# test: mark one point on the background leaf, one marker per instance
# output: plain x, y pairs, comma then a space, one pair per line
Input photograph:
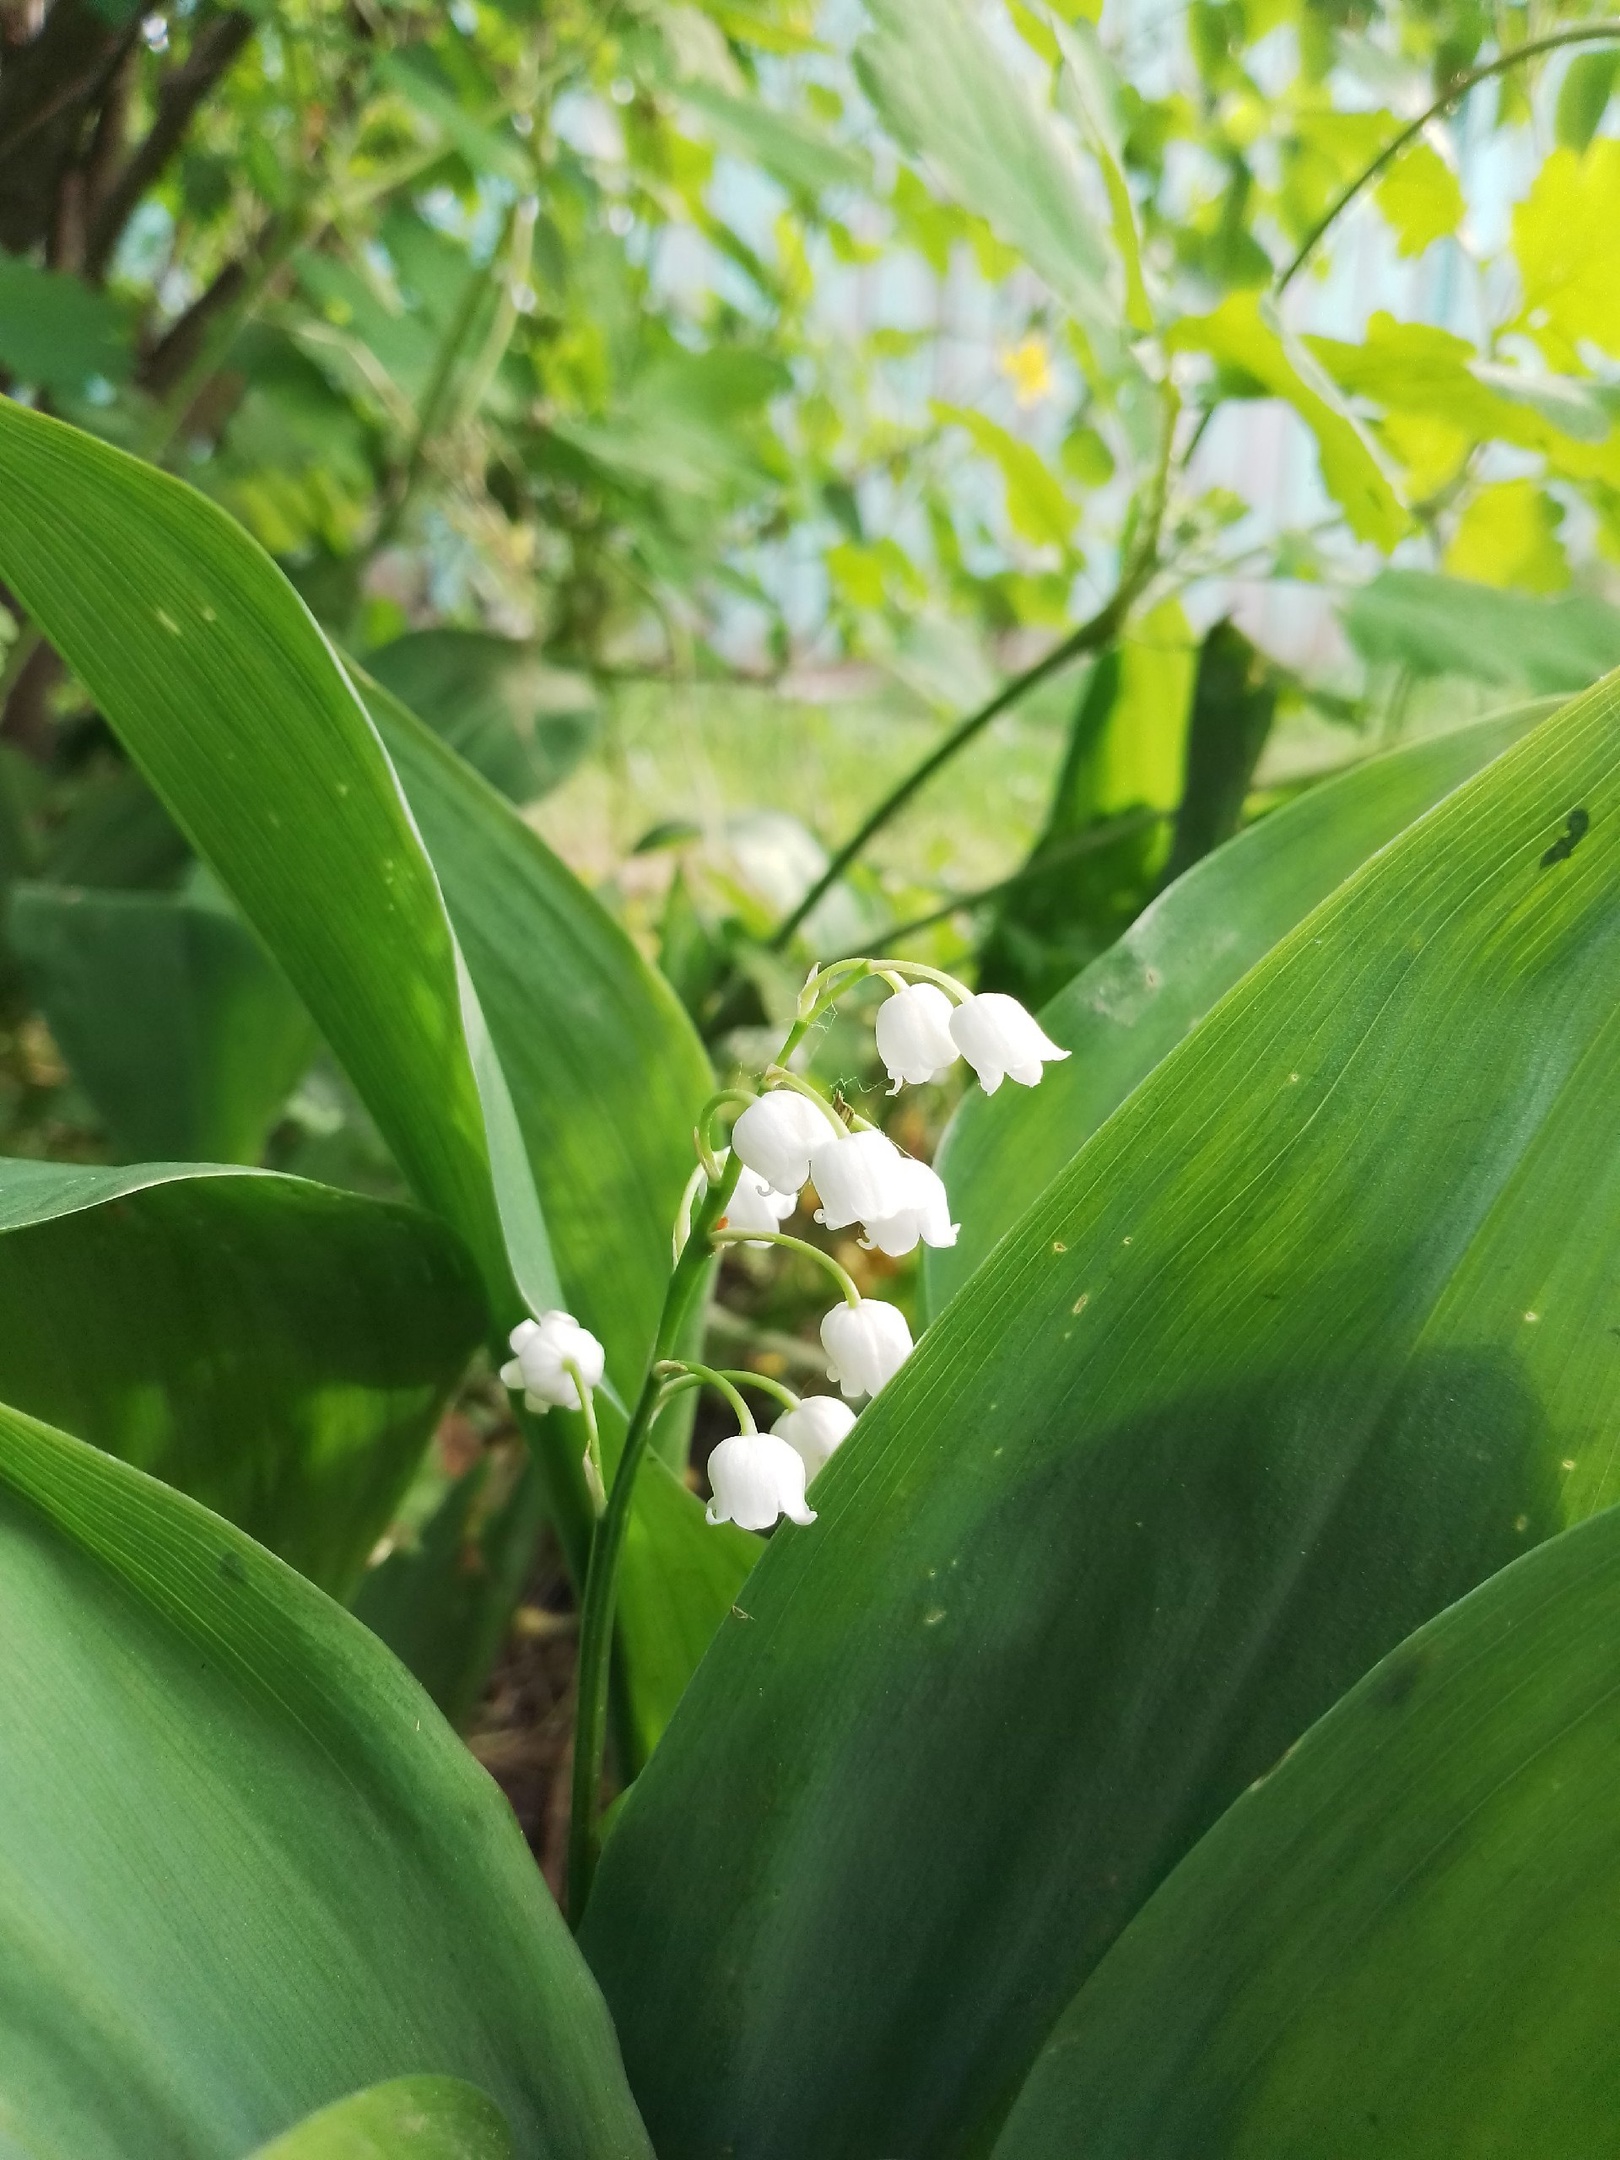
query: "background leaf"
1308, 1340
184, 1035
517, 720
1445, 626
942, 89
278, 1350
182, 1710
1397, 1943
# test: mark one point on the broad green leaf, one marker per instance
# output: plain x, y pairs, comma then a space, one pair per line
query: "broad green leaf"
1234, 703
487, 147
1507, 535
1566, 238
607, 1077
944, 91
224, 691
181, 1031
1447, 626
800, 156
1311, 1338
55, 332
1421, 198
278, 1350
1131, 1007
520, 722
248, 1869
605, 1071
1401, 1942
1038, 506
1583, 97
1240, 335
416, 2118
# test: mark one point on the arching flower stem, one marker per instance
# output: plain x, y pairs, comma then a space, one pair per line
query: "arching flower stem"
842, 1276
593, 1438
675, 1370
778, 1076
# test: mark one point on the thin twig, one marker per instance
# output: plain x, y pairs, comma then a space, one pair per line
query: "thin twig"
1581, 34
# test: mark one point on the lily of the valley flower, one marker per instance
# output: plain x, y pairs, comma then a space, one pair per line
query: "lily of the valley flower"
755, 1205
755, 1478
546, 1349
914, 1035
923, 1215
866, 1345
774, 1137
1000, 1040
858, 1178
816, 1430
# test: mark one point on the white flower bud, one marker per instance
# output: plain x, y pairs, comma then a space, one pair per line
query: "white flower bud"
925, 1213
774, 1136
857, 1177
754, 1205
545, 1348
914, 1035
816, 1430
866, 1345
1001, 1040
756, 1477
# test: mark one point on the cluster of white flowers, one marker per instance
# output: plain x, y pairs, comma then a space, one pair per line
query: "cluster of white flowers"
785, 1139
788, 1139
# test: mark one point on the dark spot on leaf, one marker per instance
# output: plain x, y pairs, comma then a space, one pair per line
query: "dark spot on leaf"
1395, 1685
231, 1567
1576, 826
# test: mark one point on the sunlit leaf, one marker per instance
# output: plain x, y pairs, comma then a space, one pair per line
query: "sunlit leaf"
1421, 198
1508, 535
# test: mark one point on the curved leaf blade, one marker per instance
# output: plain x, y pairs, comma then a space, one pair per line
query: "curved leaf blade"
1131, 1007
248, 1868
1400, 1943
228, 697
420, 2118
276, 1349
1306, 1342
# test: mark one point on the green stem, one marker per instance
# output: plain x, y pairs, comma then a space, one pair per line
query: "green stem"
689, 1368
842, 1276
1581, 34
1091, 636
593, 1439
607, 1548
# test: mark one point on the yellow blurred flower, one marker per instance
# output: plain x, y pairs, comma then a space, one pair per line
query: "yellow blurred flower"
1028, 367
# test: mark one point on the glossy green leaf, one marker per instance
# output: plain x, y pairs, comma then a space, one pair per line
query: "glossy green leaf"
1131, 1007
607, 1076
1242, 335
1446, 626
1401, 1943
417, 2118
279, 1350
184, 1035
248, 1869
519, 721
1311, 1338
942, 88
224, 691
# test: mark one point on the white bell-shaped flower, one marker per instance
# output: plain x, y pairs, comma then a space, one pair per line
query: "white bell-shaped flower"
816, 1430
756, 1477
774, 1137
866, 1345
754, 1205
858, 1178
914, 1035
1000, 1040
924, 1215
545, 1349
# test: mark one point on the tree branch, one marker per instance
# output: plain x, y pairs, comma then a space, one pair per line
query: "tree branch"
213, 50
